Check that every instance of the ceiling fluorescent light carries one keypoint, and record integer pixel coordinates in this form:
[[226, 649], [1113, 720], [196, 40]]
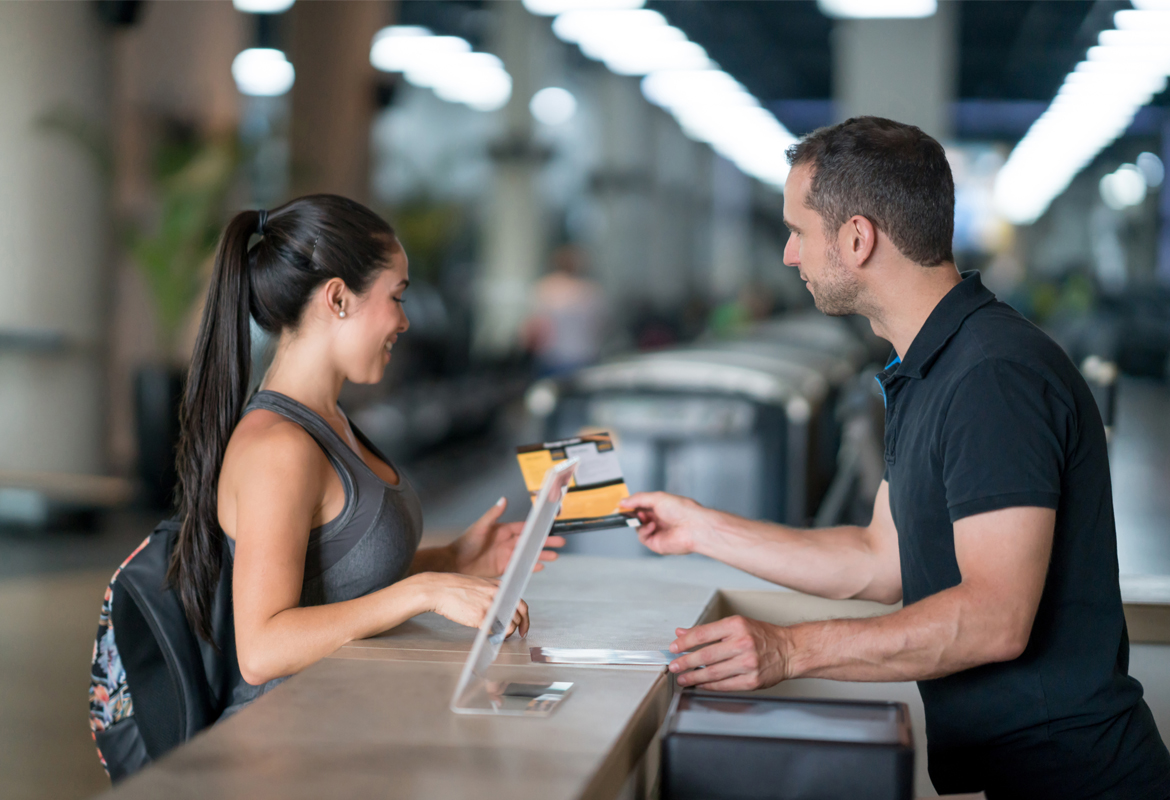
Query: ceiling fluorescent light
[[445, 64], [449, 69], [1152, 168], [677, 90], [550, 8], [488, 90], [262, 6], [403, 52], [1124, 188], [657, 58], [602, 43], [878, 9], [1134, 20], [1096, 103], [1138, 38], [708, 104], [262, 72], [553, 105], [593, 26]]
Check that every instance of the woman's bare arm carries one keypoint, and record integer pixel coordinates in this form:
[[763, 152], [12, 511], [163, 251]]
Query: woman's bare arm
[[274, 486]]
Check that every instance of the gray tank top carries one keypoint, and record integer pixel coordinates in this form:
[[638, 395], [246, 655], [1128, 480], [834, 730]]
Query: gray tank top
[[366, 547]]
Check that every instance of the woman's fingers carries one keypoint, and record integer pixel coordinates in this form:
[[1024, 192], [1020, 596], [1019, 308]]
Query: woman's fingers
[[491, 515], [522, 610]]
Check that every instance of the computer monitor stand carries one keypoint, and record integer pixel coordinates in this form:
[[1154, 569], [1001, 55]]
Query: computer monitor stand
[[479, 691]]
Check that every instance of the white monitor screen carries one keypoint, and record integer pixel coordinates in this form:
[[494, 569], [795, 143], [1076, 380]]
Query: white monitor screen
[[515, 580]]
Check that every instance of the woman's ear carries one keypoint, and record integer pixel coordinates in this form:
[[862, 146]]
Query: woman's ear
[[335, 294]]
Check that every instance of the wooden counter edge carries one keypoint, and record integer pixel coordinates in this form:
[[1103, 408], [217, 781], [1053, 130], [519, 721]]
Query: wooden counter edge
[[1148, 623], [632, 745]]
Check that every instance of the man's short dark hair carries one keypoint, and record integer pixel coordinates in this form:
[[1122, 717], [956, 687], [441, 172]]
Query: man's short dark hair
[[889, 172]]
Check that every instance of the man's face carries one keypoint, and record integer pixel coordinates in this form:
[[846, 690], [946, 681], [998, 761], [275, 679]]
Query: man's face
[[818, 257]]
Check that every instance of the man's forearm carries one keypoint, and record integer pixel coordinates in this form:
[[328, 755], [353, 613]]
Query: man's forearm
[[842, 562], [943, 634]]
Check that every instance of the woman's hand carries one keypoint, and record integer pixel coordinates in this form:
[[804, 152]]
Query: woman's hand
[[485, 548], [467, 600]]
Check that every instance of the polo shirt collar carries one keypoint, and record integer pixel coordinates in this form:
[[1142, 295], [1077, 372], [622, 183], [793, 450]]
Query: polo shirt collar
[[944, 321]]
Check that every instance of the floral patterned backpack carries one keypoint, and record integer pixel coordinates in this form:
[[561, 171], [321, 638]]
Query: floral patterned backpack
[[153, 683]]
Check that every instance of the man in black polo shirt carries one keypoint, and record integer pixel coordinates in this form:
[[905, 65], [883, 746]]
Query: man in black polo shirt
[[994, 526]]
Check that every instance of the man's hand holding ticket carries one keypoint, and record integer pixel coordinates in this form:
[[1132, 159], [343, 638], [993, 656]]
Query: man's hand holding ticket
[[592, 500]]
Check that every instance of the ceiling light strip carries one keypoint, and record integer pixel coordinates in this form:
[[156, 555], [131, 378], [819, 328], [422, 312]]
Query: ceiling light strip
[[1094, 106], [445, 64], [709, 105]]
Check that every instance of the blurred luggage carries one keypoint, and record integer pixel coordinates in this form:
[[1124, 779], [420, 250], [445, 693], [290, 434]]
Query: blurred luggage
[[747, 425]]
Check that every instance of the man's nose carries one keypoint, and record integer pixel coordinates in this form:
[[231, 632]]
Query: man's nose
[[791, 252]]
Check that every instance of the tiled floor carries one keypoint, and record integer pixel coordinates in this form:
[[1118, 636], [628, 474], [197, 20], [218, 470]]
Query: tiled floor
[[51, 588], [47, 625]]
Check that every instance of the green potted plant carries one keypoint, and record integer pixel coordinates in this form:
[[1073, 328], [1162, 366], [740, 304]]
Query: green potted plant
[[193, 177]]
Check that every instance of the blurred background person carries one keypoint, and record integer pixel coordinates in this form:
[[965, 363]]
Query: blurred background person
[[567, 326]]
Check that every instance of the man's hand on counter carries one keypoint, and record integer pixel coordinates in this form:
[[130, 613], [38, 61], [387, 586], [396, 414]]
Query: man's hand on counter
[[731, 655]]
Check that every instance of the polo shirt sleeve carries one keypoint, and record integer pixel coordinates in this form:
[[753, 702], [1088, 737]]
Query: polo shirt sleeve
[[1004, 440]]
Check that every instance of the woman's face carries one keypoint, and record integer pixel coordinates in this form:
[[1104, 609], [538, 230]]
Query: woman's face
[[373, 321]]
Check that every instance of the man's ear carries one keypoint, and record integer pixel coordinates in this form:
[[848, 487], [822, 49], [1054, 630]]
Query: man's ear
[[858, 240]]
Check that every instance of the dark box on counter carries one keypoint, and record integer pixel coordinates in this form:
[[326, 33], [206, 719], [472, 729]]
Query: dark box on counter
[[738, 747]]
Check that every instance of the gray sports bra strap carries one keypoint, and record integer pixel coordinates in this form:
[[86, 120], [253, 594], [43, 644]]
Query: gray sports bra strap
[[308, 419], [323, 549]]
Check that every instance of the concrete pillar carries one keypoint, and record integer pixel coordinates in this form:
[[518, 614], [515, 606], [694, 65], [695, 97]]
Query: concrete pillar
[[54, 226], [903, 69], [515, 228], [333, 97], [1162, 271], [702, 268], [731, 230], [173, 65], [623, 186], [674, 257]]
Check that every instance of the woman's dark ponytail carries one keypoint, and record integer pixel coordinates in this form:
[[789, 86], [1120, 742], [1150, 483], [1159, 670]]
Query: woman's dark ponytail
[[214, 397], [303, 244]]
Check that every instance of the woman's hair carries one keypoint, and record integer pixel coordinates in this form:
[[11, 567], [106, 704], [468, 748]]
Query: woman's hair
[[301, 245]]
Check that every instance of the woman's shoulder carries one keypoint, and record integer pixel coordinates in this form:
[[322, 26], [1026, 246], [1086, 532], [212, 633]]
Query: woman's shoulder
[[264, 440]]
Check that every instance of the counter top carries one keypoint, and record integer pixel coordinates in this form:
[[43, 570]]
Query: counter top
[[373, 720]]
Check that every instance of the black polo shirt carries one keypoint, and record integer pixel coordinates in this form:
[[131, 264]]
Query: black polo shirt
[[986, 412]]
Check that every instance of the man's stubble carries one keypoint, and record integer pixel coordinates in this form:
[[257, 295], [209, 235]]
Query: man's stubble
[[837, 293]]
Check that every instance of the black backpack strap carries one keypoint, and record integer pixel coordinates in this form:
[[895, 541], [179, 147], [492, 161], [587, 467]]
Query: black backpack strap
[[122, 749]]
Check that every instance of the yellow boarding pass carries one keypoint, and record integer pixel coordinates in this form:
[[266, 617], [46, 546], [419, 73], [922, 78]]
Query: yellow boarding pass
[[598, 486]]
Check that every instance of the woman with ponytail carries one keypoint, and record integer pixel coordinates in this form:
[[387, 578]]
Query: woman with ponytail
[[321, 529]]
